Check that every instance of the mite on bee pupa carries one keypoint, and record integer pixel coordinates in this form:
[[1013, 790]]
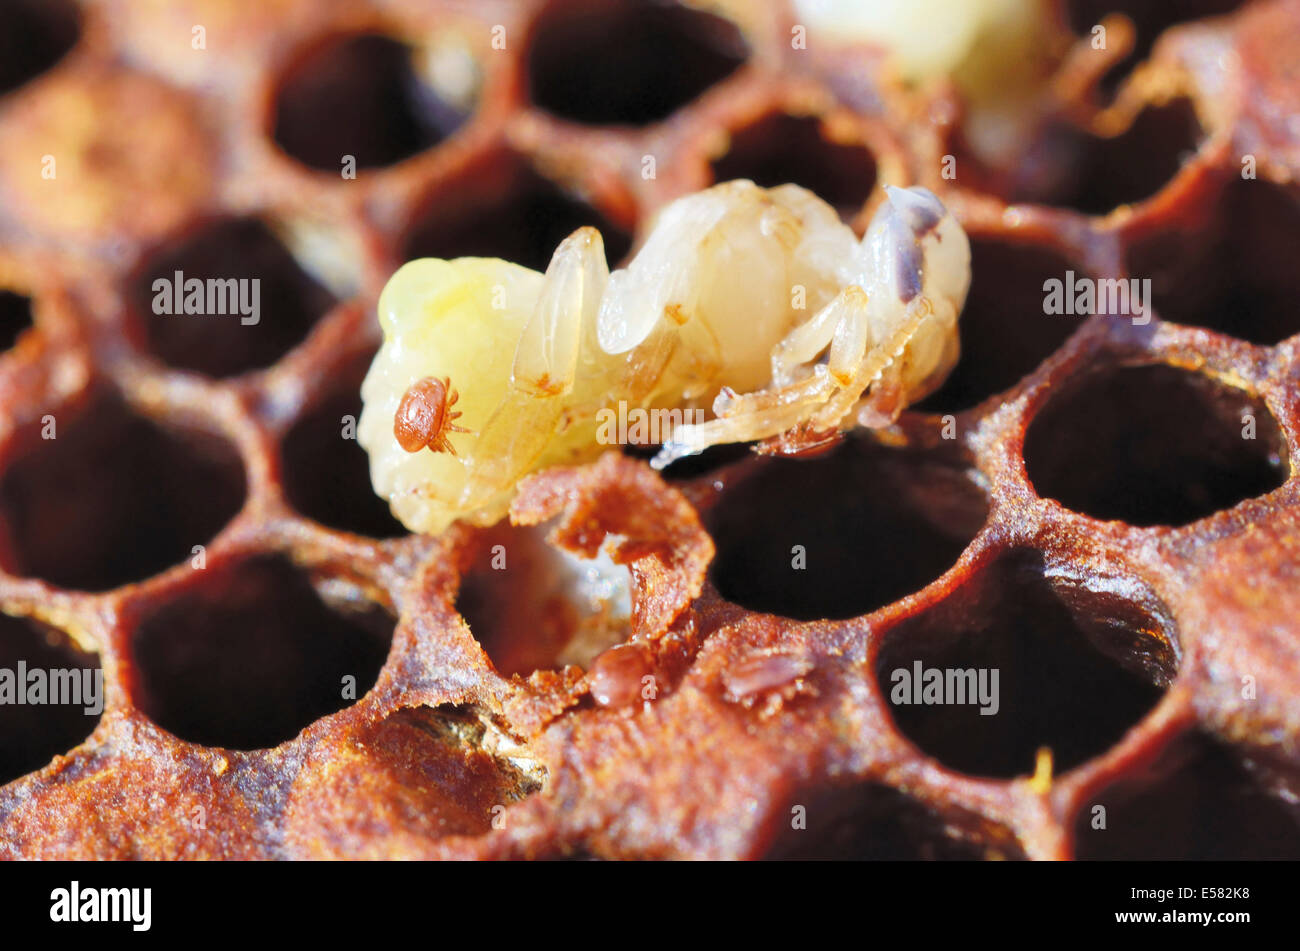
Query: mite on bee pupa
[[424, 417]]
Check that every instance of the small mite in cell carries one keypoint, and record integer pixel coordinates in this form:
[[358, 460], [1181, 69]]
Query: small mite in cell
[[425, 416]]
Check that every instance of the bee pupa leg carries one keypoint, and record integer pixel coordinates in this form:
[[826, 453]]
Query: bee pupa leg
[[889, 393], [769, 412], [544, 369], [802, 345], [874, 364], [690, 439]]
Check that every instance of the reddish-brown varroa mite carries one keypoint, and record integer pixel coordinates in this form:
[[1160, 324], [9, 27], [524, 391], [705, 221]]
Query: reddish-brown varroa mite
[[425, 418]]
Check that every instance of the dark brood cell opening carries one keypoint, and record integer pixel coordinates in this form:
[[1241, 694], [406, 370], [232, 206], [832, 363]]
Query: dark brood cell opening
[[624, 62], [1076, 668], [1153, 445], [358, 96], [844, 533], [242, 325], [98, 496], [252, 654]]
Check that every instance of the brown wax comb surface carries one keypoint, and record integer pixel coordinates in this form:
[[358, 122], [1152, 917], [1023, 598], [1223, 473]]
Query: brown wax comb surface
[[1103, 511]]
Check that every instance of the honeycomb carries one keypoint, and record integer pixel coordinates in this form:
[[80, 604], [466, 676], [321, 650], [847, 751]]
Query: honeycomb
[[1102, 510]]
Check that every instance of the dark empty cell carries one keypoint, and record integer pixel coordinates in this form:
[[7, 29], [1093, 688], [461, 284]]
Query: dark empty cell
[[842, 533], [783, 148], [1150, 17], [1005, 332], [252, 655], [243, 326], [36, 35], [358, 96], [531, 608], [627, 62], [1074, 672], [876, 823], [1101, 174], [15, 317], [31, 735], [509, 212], [327, 473], [1153, 445], [1195, 803], [113, 497], [1235, 274]]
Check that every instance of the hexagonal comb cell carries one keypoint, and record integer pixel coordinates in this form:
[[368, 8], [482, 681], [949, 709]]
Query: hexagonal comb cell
[[876, 823], [1234, 273], [626, 62], [97, 496], [1104, 176], [15, 317], [784, 148], [532, 606], [1005, 333], [844, 534], [505, 209], [1150, 17], [1197, 802], [326, 472], [240, 325], [51, 722], [359, 96], [1075, 668], [1095, 174], [248, 654], [1153, 445], [37, 34]]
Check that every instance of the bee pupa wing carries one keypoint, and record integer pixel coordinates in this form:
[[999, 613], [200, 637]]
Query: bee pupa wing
[[546, 357]]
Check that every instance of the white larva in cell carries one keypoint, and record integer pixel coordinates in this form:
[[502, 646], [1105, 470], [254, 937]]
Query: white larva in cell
[[703, 317]]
